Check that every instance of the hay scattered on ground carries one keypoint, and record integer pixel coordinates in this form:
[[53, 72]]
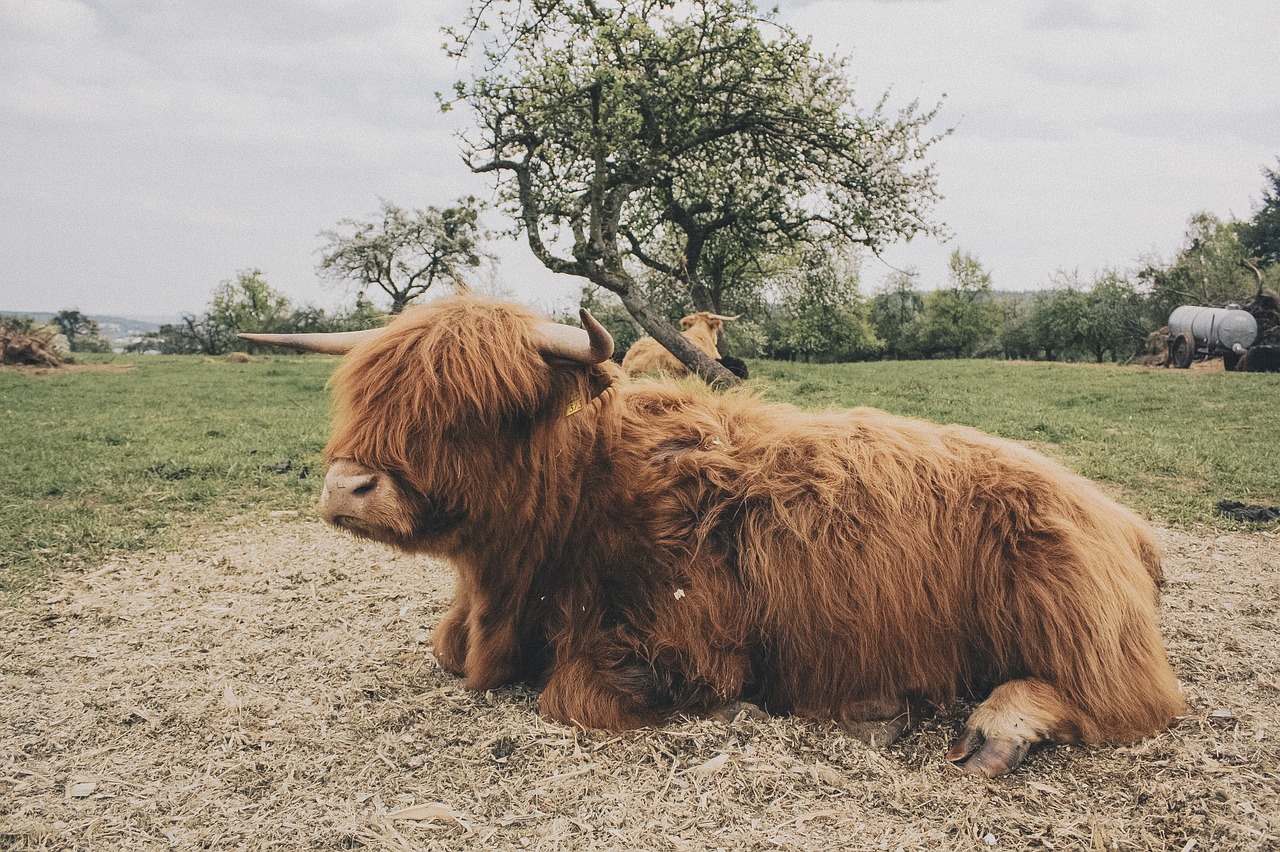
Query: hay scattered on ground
[[272, 688]]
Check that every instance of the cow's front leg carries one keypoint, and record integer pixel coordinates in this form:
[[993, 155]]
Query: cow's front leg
[[449, 640], [487, 636], [626, 692], [492, 645], [478, 641]]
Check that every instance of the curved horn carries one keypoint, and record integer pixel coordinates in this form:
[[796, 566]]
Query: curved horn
[[330, 343], [590, 344], [724, 318]]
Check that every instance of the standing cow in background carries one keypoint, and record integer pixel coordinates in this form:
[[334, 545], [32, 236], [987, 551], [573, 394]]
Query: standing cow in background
[[647, 549], [647, 355]]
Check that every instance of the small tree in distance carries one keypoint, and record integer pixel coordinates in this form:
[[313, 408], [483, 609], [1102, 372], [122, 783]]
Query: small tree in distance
[[1261, 234], [896, 312], [821, 315], [959, 320], [250, 304], [82, 332], [405, 253]]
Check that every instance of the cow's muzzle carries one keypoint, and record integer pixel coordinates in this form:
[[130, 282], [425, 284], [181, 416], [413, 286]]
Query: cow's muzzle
[[358, 499]]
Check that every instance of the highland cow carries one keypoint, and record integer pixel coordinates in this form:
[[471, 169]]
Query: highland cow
[[643, 549], [647, 355]]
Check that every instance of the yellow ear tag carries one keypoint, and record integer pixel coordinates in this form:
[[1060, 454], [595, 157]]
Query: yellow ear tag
[[575, 405]]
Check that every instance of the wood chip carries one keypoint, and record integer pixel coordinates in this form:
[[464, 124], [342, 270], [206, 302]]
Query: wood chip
[[429, 812], [81, 789], [711, 766]]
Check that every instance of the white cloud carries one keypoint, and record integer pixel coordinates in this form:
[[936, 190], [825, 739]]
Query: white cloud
[[156, 148], [151, 148], [1086, 133]]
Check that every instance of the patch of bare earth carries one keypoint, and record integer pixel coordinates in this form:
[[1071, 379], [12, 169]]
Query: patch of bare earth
[[272, 689]]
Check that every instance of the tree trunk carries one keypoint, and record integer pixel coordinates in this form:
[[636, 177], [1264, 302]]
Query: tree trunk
[[704, 299], [702, 364]]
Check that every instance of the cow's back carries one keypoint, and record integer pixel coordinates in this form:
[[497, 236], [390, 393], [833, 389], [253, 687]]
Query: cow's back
[[869, 555]]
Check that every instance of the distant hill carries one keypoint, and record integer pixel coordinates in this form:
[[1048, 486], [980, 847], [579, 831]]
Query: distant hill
[[119, 330]]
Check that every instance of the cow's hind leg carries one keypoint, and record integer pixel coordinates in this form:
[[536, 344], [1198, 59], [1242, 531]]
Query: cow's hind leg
[[1017, 715]]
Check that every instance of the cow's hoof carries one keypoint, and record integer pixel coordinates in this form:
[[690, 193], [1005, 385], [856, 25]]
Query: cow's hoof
[[987, 758]]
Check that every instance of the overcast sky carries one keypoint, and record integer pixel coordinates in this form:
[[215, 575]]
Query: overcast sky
[[152, 148]]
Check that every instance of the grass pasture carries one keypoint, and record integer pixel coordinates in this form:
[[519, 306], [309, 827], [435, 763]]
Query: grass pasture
[[131, 453], [189, 660]]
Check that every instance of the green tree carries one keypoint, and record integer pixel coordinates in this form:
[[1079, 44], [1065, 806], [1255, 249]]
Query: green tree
[[895, 314], [686, 139], [247, 303], [963, 318], [1017, 336], [405, 253], [363, 314], [74, 324], [1113, 318], [820, 315], [82, 332], [196, 334], [1207, 271], [1261, 234], [1055, 322]]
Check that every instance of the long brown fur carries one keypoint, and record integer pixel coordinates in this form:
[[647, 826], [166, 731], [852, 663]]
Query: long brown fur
[[669, 549], [647, 355]]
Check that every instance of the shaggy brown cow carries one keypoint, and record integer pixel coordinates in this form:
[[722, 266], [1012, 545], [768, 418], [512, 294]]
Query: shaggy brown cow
[[644, 549], [647, 355]]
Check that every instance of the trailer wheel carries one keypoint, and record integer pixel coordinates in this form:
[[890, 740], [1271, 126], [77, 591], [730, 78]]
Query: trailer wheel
[[1182, 349]]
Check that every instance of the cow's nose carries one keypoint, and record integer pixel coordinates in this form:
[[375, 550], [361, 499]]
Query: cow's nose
[[349, 491]]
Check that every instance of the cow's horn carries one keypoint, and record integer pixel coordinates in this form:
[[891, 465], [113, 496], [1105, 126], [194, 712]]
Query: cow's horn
[[590, 344], [724, 318], [330, 343]]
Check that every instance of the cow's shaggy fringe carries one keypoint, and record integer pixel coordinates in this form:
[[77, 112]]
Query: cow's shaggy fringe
[[668, 549]]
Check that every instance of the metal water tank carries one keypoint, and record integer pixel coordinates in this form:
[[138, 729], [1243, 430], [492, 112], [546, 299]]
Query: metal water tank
[[1215, 329]]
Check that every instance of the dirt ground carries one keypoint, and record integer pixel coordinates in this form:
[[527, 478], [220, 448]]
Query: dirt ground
[[271, 688], [30, 370]]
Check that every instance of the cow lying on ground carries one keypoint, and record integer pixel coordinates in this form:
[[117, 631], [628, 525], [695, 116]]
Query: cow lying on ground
[[647, 355], [646, 549]]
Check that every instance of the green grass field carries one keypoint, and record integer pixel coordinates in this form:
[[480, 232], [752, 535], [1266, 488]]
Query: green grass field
[[98, 461]]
